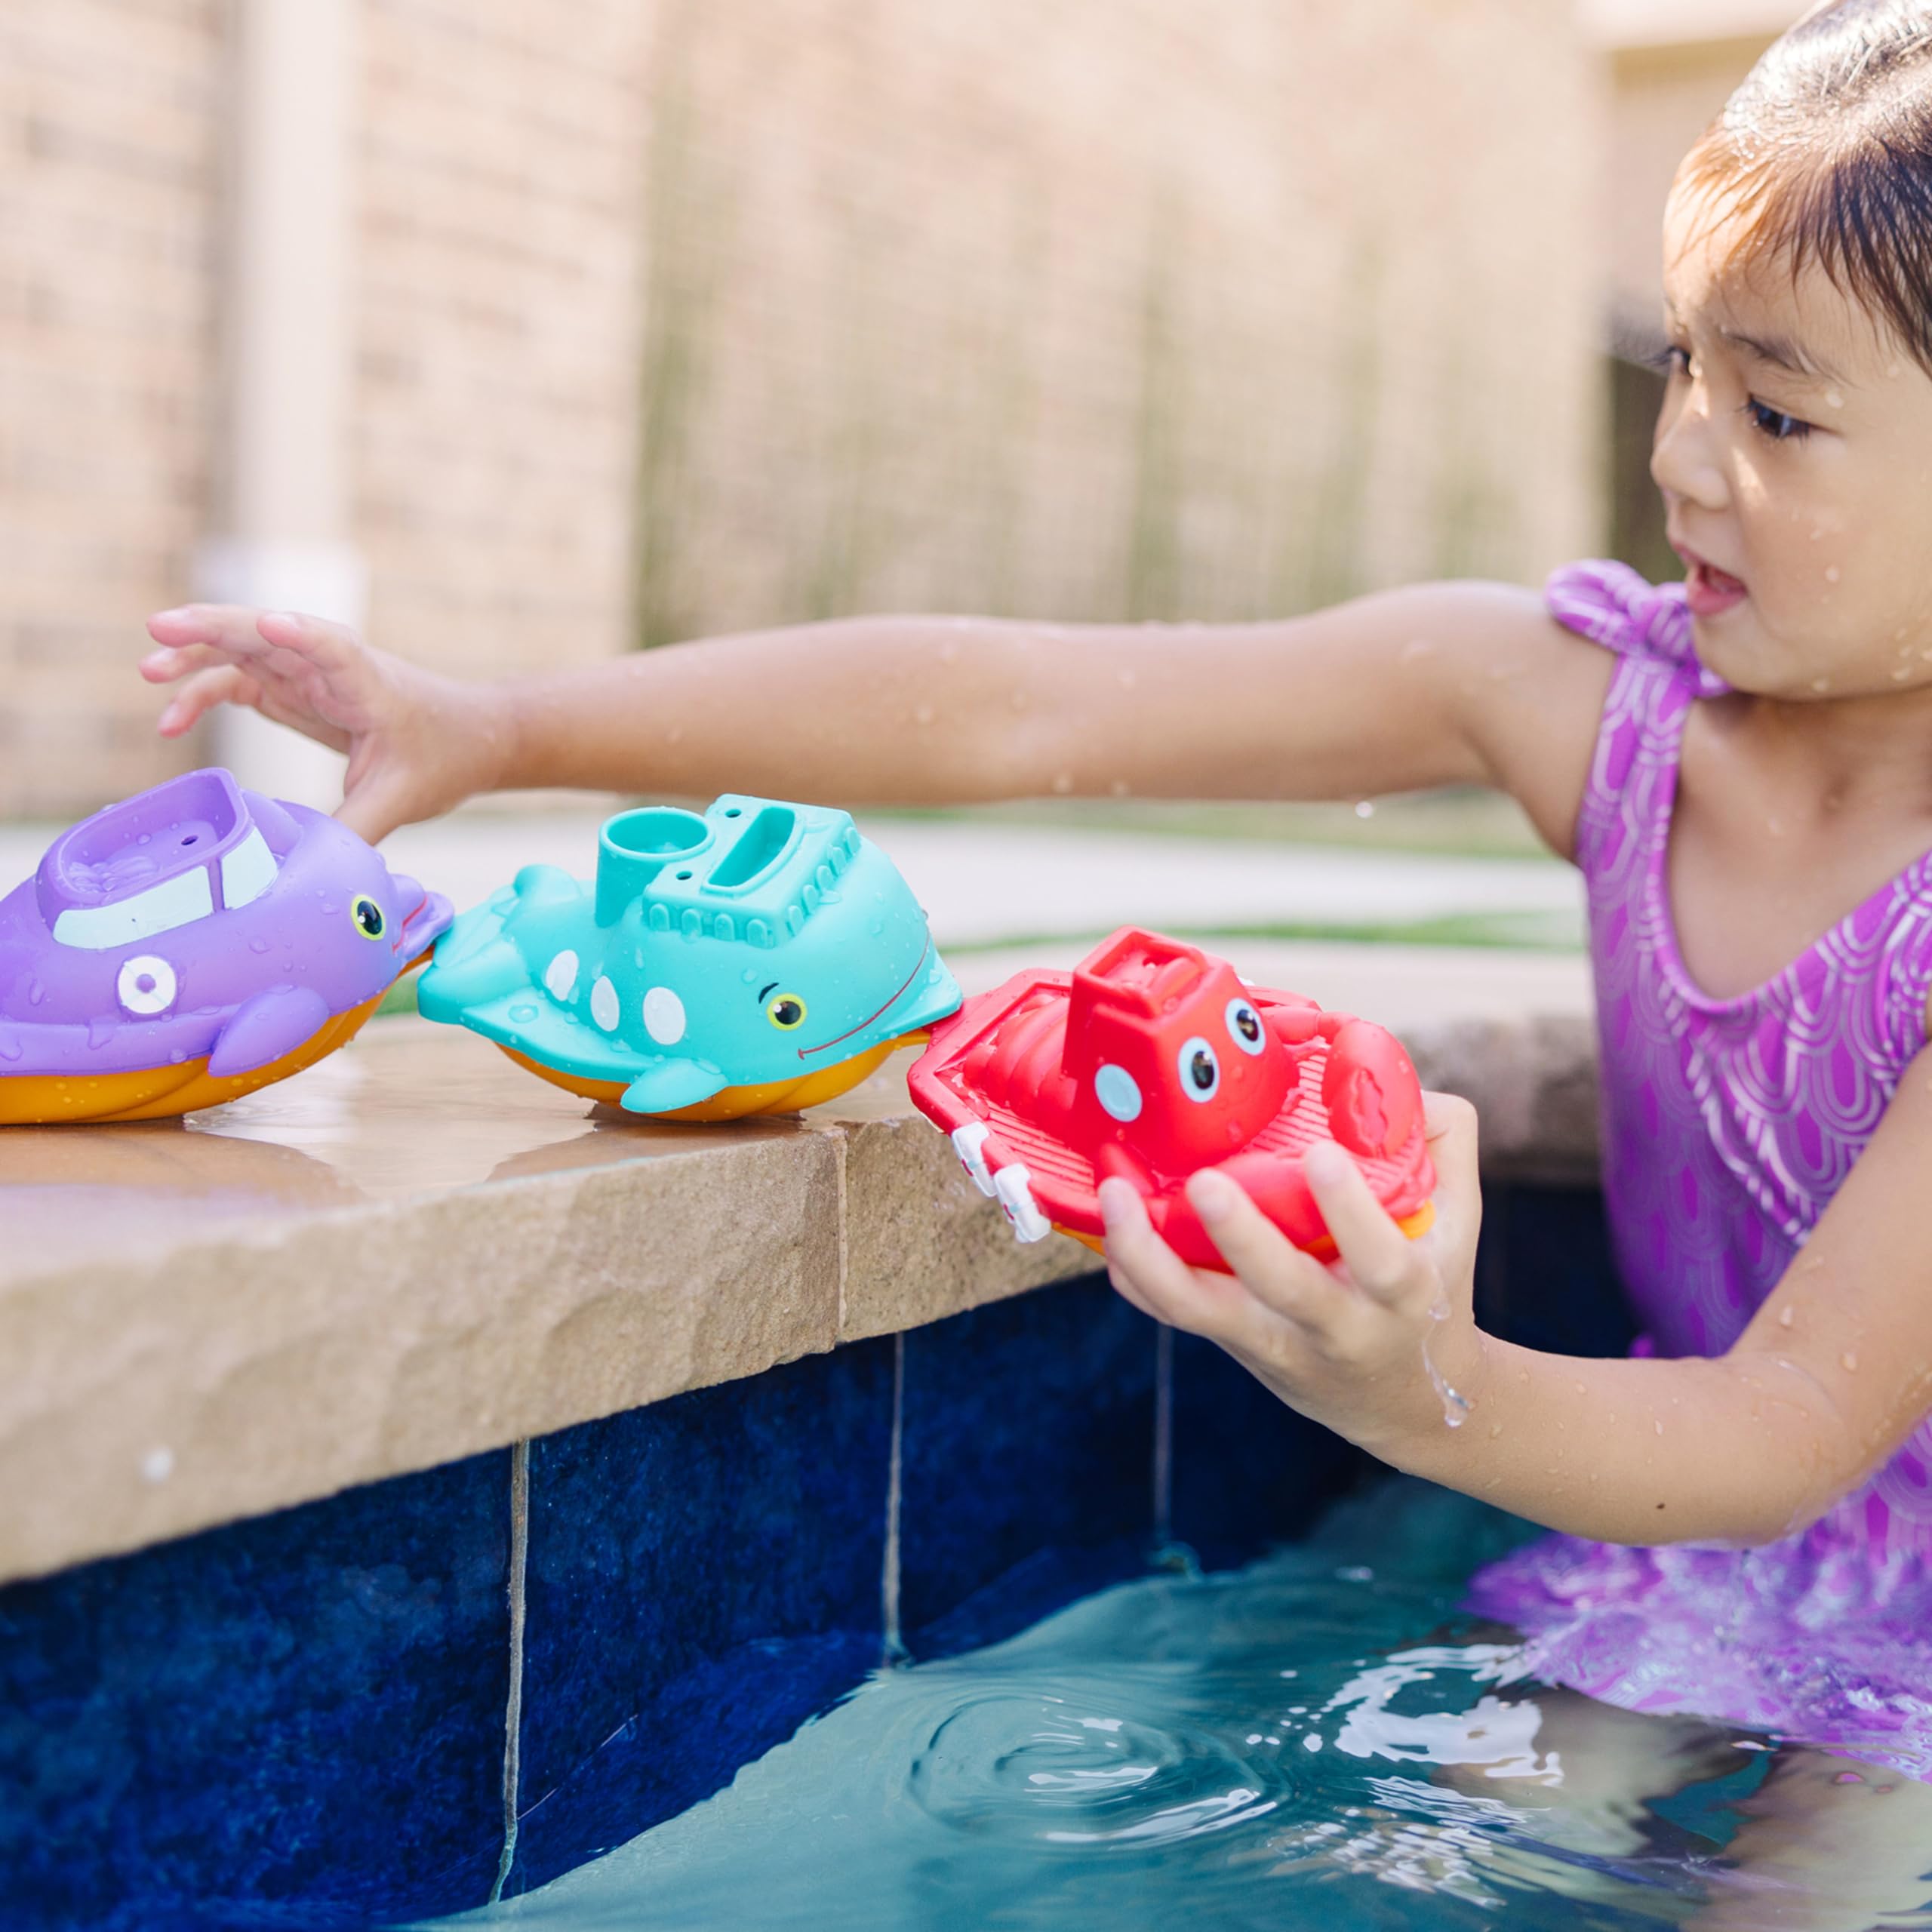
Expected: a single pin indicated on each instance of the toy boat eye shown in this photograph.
(786, 1011)
(1200, 1070)
(368, 917)
(1245, 1026)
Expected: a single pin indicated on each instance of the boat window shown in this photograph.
(247, 872)
(178, 901)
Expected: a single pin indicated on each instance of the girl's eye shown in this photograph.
(1673, 361)
(369, 917)
(1774, 422)
(786, 1012)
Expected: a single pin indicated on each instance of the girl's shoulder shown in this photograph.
(1620, 608)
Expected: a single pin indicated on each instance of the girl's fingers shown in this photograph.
(329, 647)
(1124, 1287)
(229, 628)
(1163, 1286)
(222, 685)
(235, 632)
(1274, 1271)
(1381, 1260)
(1450, 1123)
(163, 665)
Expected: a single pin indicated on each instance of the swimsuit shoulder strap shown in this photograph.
(1612, 605)
(1633, 771)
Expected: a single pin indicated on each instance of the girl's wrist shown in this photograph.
(499, 760)
(1443, 1404)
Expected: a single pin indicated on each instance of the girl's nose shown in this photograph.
(1685, 461)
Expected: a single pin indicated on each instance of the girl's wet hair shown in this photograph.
(1824, 154)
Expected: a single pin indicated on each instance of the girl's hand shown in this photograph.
(417, 744)
(1343, 1342)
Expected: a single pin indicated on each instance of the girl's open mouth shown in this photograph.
(1710, 591)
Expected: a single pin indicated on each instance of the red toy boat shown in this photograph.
(1154, 1058)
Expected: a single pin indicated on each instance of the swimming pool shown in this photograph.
(395, 1702)
(1317, 1738)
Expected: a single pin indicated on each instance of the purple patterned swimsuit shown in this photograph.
(1727, 1126)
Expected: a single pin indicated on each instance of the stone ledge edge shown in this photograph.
(149, 1401)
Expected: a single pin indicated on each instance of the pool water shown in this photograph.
(1318, 1739)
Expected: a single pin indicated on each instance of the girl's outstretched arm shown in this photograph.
(1443, 684)
(1832, 1374)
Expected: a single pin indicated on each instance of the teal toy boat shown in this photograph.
(760, 958)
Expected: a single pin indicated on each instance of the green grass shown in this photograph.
(1530, 932)
(401, 997)
(1468, 824)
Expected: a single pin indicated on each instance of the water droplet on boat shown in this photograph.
(100, 1031)
(523, 1015)
(36, 992)
(258, 945)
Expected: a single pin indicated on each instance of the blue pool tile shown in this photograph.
(1248, 1471)
(702, 1576)
(295, 1720)
(1545, 1274)
(1027, 1455)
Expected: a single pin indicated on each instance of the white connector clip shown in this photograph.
(1014, 1185)
(969, 1143)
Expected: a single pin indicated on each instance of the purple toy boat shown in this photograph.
(191, 945)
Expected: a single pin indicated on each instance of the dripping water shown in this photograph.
(1455, 1405)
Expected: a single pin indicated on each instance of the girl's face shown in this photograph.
(1794, 454)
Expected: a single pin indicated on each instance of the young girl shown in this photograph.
(1742, 766)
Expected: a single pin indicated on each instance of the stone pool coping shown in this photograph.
(417, 1252)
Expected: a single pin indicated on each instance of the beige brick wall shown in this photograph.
(1662, 98)
(501, 281)
(1113, 306)
(107, 131)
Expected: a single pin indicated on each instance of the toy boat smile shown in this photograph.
(759, 959)
(1151, 1060)
(190, 945)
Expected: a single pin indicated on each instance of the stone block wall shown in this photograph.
(676, 314)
